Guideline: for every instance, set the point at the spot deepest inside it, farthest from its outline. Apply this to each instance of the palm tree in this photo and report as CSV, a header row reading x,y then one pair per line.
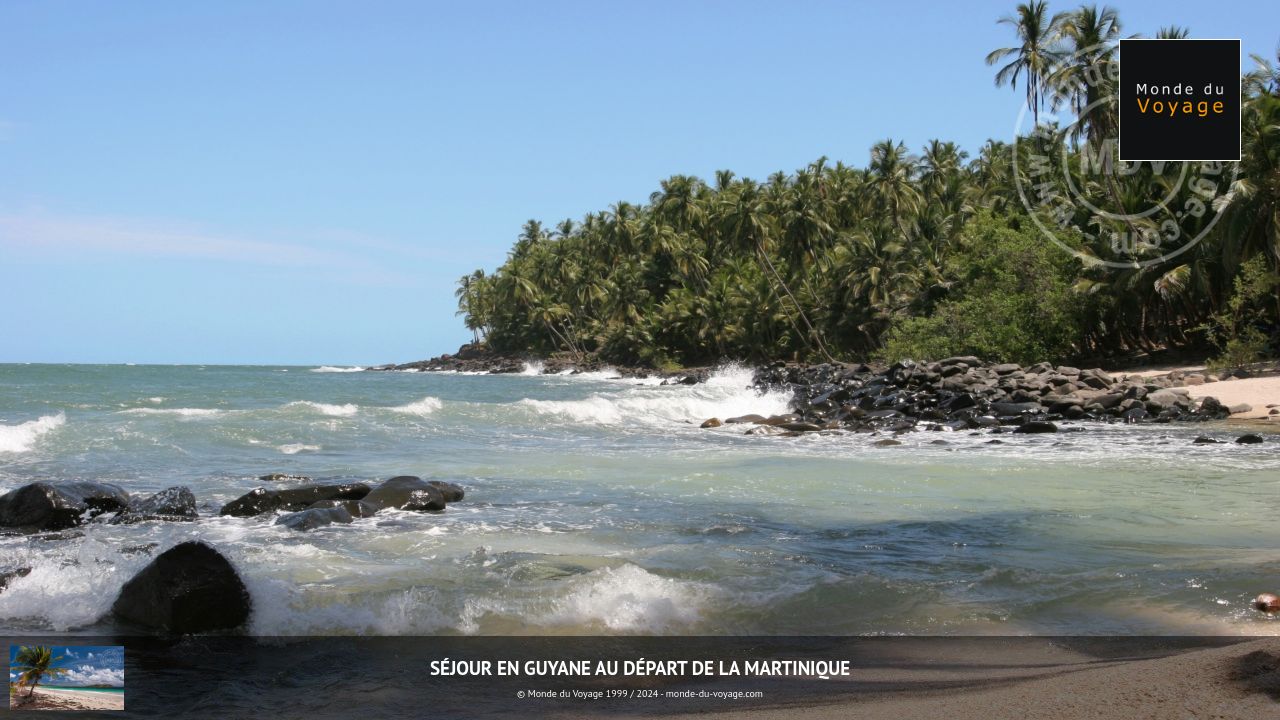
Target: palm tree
x,y
1035,54
33,663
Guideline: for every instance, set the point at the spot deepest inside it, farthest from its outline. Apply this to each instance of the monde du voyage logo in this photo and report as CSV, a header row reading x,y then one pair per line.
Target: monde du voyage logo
x,y
1179,100
1140,141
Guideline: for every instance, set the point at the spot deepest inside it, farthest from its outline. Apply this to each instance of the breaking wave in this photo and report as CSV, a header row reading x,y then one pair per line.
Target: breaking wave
x,y
728,392
332,369
21,437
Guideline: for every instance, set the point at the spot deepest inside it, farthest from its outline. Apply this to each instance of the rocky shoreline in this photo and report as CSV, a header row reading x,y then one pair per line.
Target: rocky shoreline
x,y
473,358
191,587
965,393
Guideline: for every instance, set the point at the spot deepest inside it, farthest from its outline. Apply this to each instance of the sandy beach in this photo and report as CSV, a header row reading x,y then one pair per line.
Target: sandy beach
x,y
1060,682
1262,394
60,699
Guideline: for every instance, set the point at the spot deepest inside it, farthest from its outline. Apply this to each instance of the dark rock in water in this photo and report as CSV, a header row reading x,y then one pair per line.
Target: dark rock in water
x,y
711,423
800,426
452,492
939,442
1135,414
780,419
1250,439
752,418
8,574
54,506
887,442
171,504
143,549
1003,408
283,477
315,517
263,500
1205,440
189,588
356,508
1036,427
406,492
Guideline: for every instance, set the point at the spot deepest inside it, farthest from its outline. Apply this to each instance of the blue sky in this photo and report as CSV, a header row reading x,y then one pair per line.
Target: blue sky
x,y
302,182
85,664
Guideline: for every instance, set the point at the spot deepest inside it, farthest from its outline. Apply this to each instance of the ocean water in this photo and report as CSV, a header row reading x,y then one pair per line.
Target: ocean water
x,y
595,505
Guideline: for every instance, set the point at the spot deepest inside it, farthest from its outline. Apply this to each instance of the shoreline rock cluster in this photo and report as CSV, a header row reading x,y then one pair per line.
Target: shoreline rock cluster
x,y
965,393
191,587
475,358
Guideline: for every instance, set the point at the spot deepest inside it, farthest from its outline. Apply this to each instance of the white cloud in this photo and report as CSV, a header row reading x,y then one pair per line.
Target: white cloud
x,y
89,675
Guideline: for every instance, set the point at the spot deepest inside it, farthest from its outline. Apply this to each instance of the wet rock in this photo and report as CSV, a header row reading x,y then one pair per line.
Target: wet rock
x,y
8,574
1204,440
315,517
1005,408
452,492
143,549
262,500
283,477
752,418
54,506
1249,439
1240,409
887,442
175,504
189,588
356,508
800,427
1036,427
406,492
711,423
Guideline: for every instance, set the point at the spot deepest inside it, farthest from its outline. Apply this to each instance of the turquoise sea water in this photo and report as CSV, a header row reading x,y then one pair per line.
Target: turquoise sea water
x,y
44,686
597,505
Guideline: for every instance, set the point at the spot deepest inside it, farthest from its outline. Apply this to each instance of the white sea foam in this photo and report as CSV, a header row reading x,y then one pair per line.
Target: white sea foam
x,y
728,392
326,408
332,369
21,437
156,399
295,448
181,412
533,367
629,599
423,407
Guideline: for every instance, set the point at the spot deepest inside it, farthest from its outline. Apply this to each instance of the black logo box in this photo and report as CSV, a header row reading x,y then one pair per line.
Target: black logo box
x,y
1179,63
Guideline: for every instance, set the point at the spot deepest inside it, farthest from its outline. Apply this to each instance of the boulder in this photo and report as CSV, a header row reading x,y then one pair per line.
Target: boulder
x,y
173,504
406,492
752,418
54,506
356,508
7,574
1250,439
452,492
1010,408
1204,440
1240,408
887,442
189,588
262,500
313,518
711,423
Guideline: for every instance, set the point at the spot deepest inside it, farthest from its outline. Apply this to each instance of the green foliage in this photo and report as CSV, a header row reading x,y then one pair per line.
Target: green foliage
x,y
1234,330
894,259
1016,302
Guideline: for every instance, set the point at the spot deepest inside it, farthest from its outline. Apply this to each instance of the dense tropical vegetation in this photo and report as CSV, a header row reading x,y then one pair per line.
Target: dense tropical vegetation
x,y
922,255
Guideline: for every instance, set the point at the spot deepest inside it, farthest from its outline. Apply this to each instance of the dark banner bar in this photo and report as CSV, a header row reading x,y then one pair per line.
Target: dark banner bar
x,y
412,677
